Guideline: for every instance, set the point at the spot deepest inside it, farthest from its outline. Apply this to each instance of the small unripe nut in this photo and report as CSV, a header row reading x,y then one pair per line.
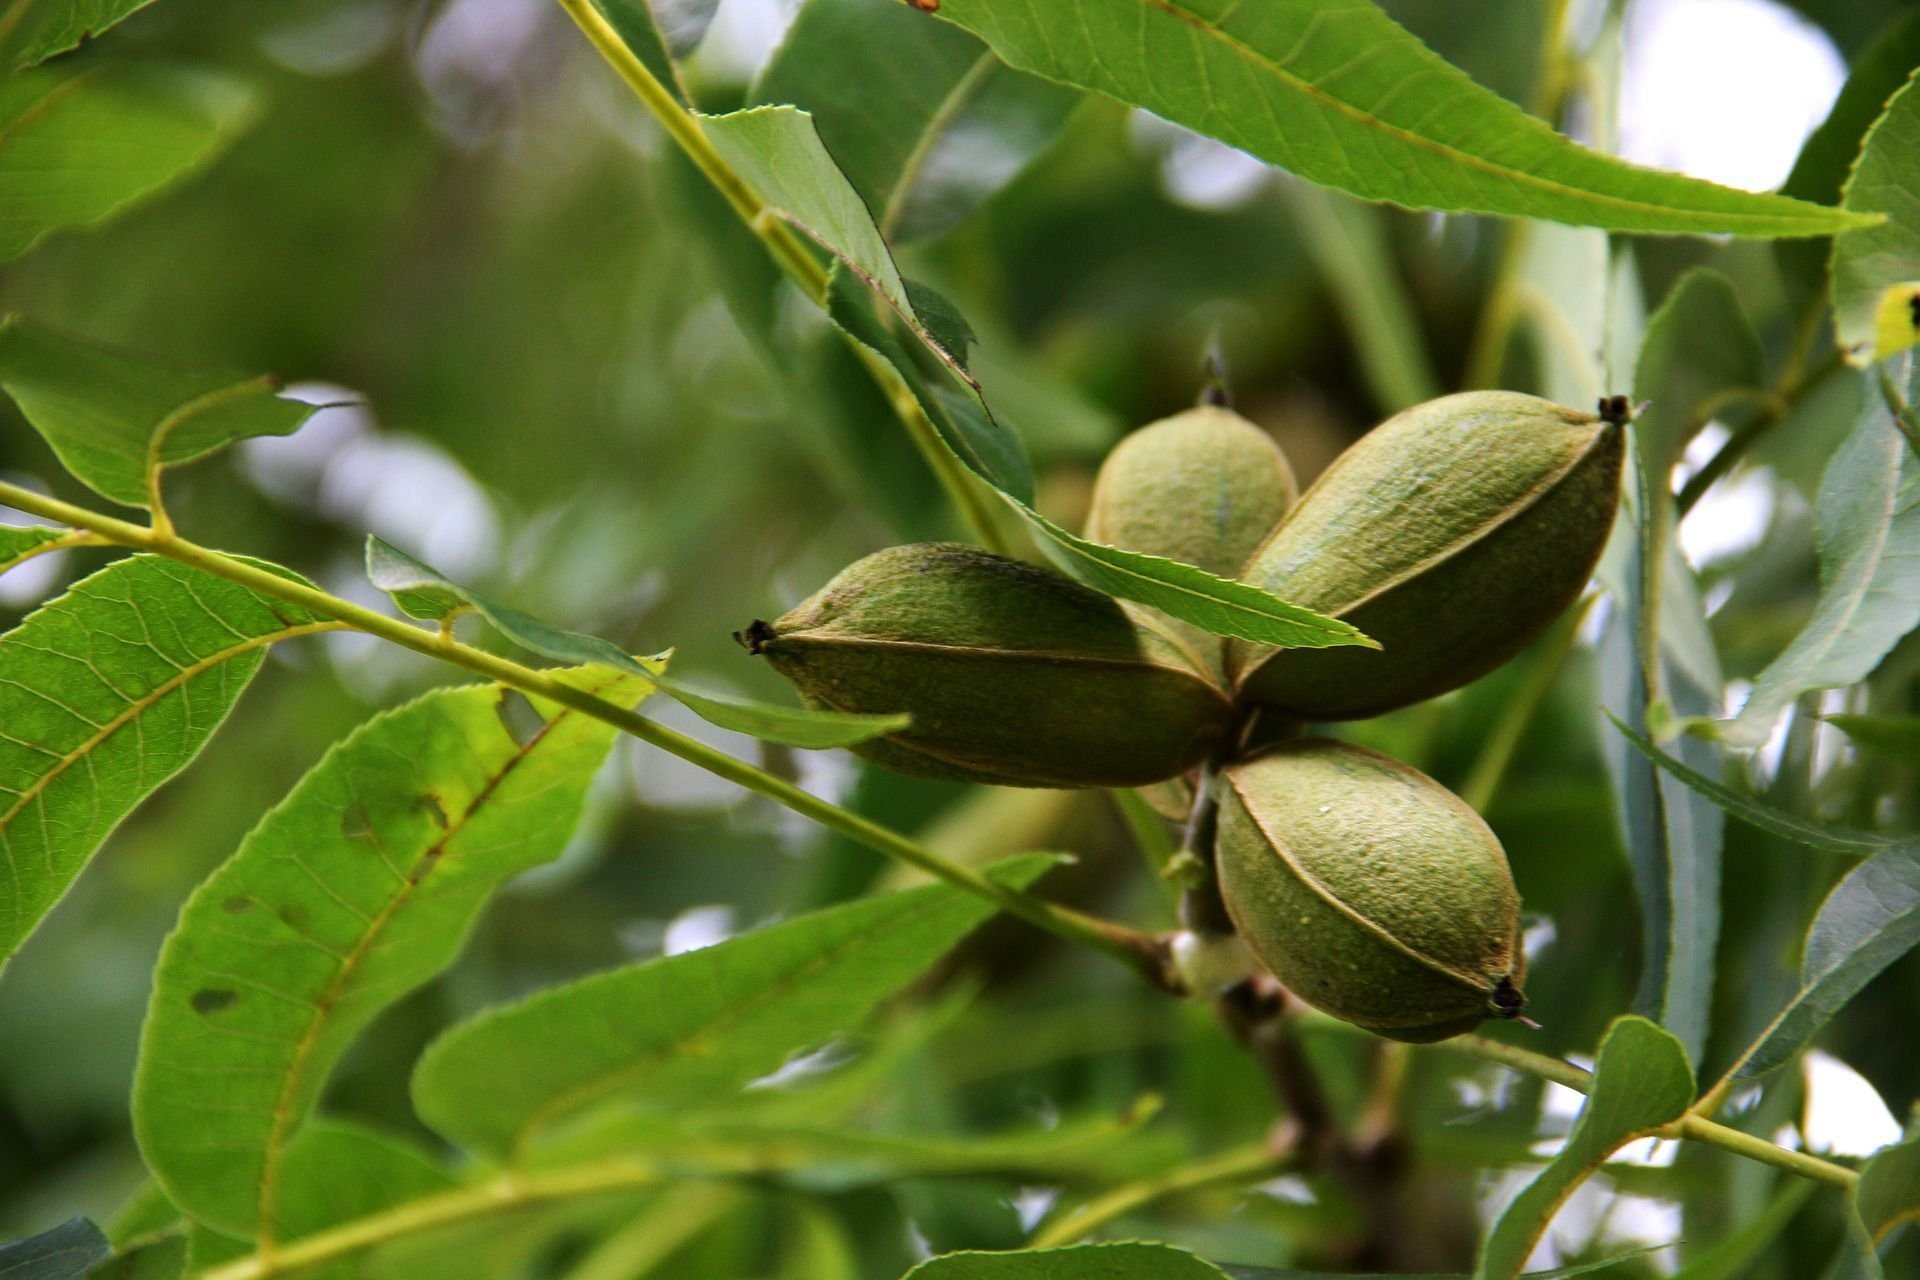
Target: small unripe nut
x,y
1204,486
1453,534
1369,890
1013,674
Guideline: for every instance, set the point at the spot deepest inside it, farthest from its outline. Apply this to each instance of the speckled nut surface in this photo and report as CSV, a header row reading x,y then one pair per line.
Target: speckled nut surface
x,y
1453,534
1204,486
1371,891
1013,674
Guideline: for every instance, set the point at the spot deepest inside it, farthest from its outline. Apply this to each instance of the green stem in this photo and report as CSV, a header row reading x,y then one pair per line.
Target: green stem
x,y
503,1194
790,251
1692,1125
1138,950
1150,835
1240,1164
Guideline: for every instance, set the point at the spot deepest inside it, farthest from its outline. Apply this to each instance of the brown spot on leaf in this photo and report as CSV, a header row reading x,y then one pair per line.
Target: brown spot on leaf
x,y
435,809
211,1000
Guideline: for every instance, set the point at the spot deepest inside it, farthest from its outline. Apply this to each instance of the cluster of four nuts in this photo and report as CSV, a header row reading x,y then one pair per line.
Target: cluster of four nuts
x,y
1452,534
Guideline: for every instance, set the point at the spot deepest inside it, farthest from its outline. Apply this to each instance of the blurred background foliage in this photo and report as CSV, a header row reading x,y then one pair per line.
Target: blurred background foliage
x,y
452,217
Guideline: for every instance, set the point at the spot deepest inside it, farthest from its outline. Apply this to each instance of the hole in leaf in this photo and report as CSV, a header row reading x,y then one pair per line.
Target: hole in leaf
x,y
210,1000
517,716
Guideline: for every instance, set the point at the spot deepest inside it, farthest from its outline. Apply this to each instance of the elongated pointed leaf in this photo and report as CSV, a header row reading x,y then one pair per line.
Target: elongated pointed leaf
x,y
1758,813
640,28
1672,835
21,543
1130,1260
423,592
115,418
1337,92
358,888
1869,543
80,143
1641,1081
61,1253
687,1028
923,119
1870,261
105,693
1870,920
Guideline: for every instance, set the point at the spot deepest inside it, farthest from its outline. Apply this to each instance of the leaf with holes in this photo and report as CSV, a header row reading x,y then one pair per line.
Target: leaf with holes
x,y
358,888
105,693
422,591
924,120
80,143
117,420
1339,93
1641,1081
688,1028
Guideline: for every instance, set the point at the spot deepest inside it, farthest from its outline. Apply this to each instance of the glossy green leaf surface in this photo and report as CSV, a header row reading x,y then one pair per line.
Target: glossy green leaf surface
x,y
923,119
1888,1192
1641,1081
80,143
1869,920
687,1028
359,887
1869,261
1868,536
60,1253
423,592
115,418
105,693
1339,93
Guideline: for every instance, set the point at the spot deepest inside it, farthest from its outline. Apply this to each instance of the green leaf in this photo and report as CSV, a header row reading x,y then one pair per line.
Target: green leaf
x,y
61,1253
1673,836
1888,1192
1219,605
1734,1255
359,887
338,1170
1756,812
1868,537
1337,92
687,1028
1127,1261
422,591
20,543
161,1258
1868,262
1558,1273
1641,1081
60,25
639,28
105,693
116,419
1869,920
1896,738
80,143
1820,171
1699,346
923,119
